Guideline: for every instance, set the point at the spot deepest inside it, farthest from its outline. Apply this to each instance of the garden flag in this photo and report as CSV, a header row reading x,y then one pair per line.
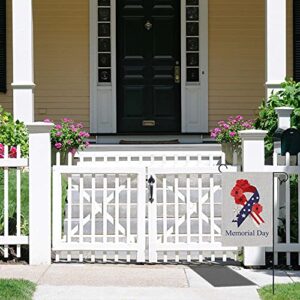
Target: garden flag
x,y
247,209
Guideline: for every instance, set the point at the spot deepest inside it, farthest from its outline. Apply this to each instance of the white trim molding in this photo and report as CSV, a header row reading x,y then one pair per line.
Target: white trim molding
x,y
275,44
93,66
103,100
194,95
23,85
23,69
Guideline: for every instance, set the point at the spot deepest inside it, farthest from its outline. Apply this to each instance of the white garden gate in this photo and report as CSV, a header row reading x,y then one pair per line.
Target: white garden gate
x,y
102,214
184,220
113,213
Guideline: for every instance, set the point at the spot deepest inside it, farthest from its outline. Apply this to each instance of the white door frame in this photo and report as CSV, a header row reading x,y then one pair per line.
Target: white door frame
x,y
103,100
194,96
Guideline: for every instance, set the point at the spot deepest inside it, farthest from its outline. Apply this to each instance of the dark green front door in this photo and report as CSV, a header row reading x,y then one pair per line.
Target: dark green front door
x,y
148,58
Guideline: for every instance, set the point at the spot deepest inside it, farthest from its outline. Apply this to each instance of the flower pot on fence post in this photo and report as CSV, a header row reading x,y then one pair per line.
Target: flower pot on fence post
x,y
229,150
63,157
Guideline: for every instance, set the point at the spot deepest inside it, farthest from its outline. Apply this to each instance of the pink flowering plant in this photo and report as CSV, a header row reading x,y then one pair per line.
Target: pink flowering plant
x,y
12,151
68,136
228,131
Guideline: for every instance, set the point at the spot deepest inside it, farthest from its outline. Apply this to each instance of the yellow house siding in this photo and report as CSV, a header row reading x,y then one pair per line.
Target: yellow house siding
x,y
61,38
61,53
62,59
237,57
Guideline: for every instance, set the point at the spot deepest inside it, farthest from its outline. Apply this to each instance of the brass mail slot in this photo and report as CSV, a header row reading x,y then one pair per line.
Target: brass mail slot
x,y
148,123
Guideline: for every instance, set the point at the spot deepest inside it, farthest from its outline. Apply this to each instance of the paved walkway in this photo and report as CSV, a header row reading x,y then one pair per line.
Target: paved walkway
x,y
135,282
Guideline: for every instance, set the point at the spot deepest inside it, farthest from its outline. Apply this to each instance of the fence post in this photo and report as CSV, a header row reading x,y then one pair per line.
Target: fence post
x,y
284,122
39,193
284,116
253,147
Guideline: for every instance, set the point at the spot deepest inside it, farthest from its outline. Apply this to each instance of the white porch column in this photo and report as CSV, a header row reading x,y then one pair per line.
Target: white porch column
x,y
253,161
275,44
23,71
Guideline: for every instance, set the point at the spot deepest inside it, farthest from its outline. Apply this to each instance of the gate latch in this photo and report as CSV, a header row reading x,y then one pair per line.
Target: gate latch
x,y
151,182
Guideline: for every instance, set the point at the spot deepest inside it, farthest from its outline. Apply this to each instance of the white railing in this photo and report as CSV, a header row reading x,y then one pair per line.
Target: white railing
x,y
150,157
11,218
285,204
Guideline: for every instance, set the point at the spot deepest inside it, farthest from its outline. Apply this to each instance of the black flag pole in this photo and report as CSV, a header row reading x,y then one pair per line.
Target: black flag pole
x,y
273,217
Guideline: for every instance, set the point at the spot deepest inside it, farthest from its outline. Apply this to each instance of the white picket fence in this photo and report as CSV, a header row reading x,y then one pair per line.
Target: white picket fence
x,y
108,215
183,222
283,209
11,233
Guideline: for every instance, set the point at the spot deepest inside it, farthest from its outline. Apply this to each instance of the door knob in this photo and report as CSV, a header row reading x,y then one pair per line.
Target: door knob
x,y
148,25
177,72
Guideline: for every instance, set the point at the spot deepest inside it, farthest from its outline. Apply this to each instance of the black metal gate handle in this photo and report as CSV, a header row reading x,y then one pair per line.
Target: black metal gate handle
x,y
151,182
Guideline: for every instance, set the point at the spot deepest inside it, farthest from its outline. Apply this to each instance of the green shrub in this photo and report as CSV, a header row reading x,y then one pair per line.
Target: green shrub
x,y
13,133
267,118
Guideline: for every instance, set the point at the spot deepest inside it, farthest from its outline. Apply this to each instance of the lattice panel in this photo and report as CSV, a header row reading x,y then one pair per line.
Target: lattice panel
x,y
102,209
188,208
102,219
186,214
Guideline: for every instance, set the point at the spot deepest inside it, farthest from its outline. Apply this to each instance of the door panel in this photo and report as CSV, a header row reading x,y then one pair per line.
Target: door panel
x,y
161,103
146,59
134,96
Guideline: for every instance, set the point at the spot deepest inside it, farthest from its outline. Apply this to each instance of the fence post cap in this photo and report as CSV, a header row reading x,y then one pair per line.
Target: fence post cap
x,y
39,127
253,134
284,111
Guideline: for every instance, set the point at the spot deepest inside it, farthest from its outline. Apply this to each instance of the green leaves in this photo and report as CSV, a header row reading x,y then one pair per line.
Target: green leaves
x,y
297,112
267,116
268,120
13,133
